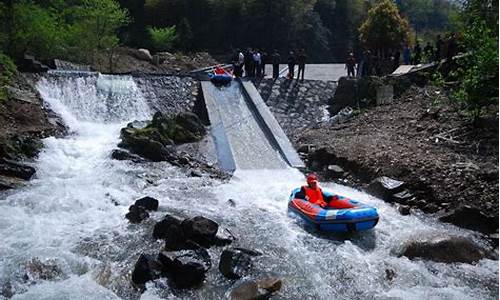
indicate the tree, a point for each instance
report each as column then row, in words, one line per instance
column 384, row 29
column 185, row 34
column 162, row 39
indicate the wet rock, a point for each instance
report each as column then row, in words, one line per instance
column 471, row 218
column 334, row 171
column 271, row 284
column 245, row 291
column 200, row 230
column 161, row 228
column 430, row 208
column 404, row 210
column 15, row 169
column 136, row 214
column 148, row 203
column 187, row 268
column 402, row 197
column 390, row 274
column 7, row 183
column 35, row 270
column 234, row 263
column 256, row 289
column 119, row 154
column 446, row 249
column 146, row 268
column 385, row 187
column 195, row 173
column 188, row 128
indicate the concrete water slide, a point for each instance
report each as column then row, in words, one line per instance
column 246, row 134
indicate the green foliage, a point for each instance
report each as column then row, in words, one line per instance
column 384, row 28
column 55, row 28
column 186, row 38
column 97, row 22
column 478, row 71
column 7, row 70
column 33, row 30
column 162, row 39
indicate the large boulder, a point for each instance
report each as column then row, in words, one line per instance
column 143, row 54
column 200, row 230
column 148, row 203
column 446, row 249
column 256, row 289
column 136, row 214
column 234, row 263
column 155, row 140
column 472, row 218
column 385, row 187
column 188, row 128
column 345, row 95
column 146, row 268
column 16, row 169
column 161, row 228
column 185, row 269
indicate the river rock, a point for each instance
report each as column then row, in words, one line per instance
column 404, row 210
column 148, row 203
column 35, row 270
column 385, row 187
column 471, row 218
column 201, row 230
column 16, row 169
column 120, row 154
column 402, row 197
column 345, row 95
column 446, row 249
column 334, row 171
column 146, row 268
column 143, row 54
column 136, row 214
column 7, row 183
column 185, row 269
column 256, row 289
column 161, row 228
column 234, row 263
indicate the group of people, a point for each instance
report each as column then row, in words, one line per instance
column 252, row 63
column 388, row 61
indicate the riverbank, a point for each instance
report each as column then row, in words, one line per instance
column 24, row 121
column 449, row 167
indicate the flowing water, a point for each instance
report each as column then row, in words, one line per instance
column 71, row 217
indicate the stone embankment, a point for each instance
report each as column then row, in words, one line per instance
column 24, row 121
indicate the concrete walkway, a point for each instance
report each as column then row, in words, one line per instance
column 323, row 72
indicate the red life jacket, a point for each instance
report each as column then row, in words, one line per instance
column 315, row 195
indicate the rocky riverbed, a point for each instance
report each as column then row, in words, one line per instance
column 447, row 166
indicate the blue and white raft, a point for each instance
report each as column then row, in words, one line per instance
column 342, row 215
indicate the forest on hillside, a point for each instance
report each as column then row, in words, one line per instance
column 327, row 29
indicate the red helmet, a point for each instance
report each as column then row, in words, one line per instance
column 312, row 178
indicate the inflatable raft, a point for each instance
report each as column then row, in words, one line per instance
column 220, row 78
column 342, row 214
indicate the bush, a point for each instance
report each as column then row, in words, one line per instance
column 478, row 71
column 162, row 39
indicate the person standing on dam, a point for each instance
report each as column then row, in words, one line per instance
column 276, row 64
column 301, row 59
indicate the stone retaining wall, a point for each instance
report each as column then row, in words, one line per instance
column 296, row 104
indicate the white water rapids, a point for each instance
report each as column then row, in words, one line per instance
column 71, row 217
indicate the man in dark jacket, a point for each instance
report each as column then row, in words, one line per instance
column 291, row 65
column 301, row 59
column 276, row 64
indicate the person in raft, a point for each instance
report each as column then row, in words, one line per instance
column 313, row 193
